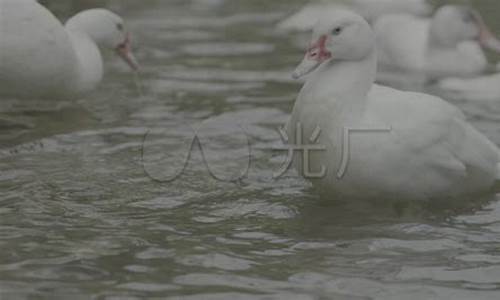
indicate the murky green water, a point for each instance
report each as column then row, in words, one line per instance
column 88, row 212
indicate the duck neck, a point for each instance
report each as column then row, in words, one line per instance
column 89, row 61
column 343, row 85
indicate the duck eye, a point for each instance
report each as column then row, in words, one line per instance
column 337, row 31
column 119, row 26
column 469, row 17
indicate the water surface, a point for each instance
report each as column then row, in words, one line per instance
column 88, row 212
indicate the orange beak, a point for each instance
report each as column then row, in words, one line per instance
column 315, row 56
column 124, row 50
column 486, row 37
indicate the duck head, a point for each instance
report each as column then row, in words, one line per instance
column 107, row 30
column 341, row 36
column 453, row 24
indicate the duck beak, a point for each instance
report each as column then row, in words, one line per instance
column 315, row 56
column 486, row 37
column 305, row 67
column 124, row 50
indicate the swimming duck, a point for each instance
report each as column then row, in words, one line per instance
column 448, row 45
column 41, row 58
column 373, row 141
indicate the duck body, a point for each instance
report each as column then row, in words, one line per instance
column 37, row 56
column 374, row 9
column 482, row 88
column 402, row 145
column 41, row 58
column 417, row 155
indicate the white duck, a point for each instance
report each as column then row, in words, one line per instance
column 41, row 58
column 306, row 18
column 448, row 45
column 482, row 88
column 401, row 145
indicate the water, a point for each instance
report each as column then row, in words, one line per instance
column 92, row 207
